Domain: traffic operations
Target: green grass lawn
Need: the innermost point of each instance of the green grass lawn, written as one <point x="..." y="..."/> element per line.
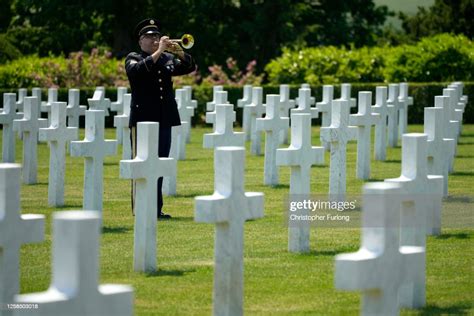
<point x="276" y="282"/>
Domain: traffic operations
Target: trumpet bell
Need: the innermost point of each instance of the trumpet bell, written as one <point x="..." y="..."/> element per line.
<point x="187" y="41"/>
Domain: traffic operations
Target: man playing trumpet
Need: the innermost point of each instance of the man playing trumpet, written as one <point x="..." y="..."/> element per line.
<point x="150" y="75"/>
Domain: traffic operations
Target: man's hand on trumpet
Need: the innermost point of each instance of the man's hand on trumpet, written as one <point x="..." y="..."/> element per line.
<point x="163" y="44"/>
<point x="176" y="49"/>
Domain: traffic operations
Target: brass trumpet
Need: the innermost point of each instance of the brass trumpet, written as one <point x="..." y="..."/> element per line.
<point x="186" y="41"/>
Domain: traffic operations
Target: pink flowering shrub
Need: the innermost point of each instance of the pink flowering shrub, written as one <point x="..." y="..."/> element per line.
<point x="232" y="75"/>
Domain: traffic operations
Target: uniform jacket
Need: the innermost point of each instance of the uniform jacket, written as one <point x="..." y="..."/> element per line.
<point x="152" y="87"/>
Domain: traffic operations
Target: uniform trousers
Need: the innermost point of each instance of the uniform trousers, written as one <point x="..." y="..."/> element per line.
<point x="164" y="146"/>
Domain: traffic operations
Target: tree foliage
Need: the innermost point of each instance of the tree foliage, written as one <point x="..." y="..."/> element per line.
<point x="445" y="16"/>
<point x="244" y="29"/>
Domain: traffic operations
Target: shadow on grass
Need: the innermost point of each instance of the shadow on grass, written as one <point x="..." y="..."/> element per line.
<point x="111" y="163"/>
<point x="456" y="309"/>
<point x="189" y="195"/>
<point x="464" y="156"/>
<point x="393" y="161"/>
<point x="463" y="173"/>
<point x="179" y="219"/>
<point x="465" y="143"/>
<point x="162" y="272"/>
<point x="456" y="236"/>
<point x="115" y="230"/>
<point x="40" y="184"/>
<point x="375" y="180"/>
<point x="331" y="253"/>
<point x="72" y="205"/>
<point x="457" y="199"/>
<point x="281" y="186"/>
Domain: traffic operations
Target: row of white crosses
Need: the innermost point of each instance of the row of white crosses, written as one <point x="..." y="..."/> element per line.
<point x="74" y="288"/>
<point x="339" y="135"/>
<point x="145" y="169"/>
<point x="230" y="206"/>
<point x="94" y="148"/>
<point x="397" y="214"/>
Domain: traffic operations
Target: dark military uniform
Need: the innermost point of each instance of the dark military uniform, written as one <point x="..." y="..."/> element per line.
<point x="152" y="87"/>
<point x="153" y="96"/>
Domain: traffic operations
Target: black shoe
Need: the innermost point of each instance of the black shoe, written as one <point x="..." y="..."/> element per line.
<point x="162" y="215"/>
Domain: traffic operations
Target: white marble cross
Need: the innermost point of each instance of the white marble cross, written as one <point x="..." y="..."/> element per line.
<point x="74" y="288"/>
<point x="29" y="126"/>
<point x="220" y="97"/>
<point x="463" y="98"/>
<point x="94" y="149"/>
<point x="36" y="92"/>
<point x="121" y="122"/>
<point x="449" y="129"/>
<point x="22" y="94"/>
<point x="393" y="107"/>
<point x="272" y="124"/>
<point x="455" y="121"/>
<point x="380" y="107"/>
<point x="460" y="98"/>
<point x="99" y="101"/>
<point x="455" y="113"/>
<point x="439" y="148"/>
<point x="7" y="115"/>
<point x="381" y="267"/>
<point x="210" y="105"/>
<point x="229" y="207"/>
<point x="304" y="103"/>
<point x="242" y="103"/>
<point x="338" y="134"/>
<point x="364" y="119"/>
<point x="286" y="104"/>
<point x="190" y="104"/>
<point x="300" y="156"/>
<point x="405" y="101"/>
<point x="15" y="230"/>
<point x="224" y="134"/>
<point x="189" y="96"/>
<point x="427" y="190"/>
<point x="346" y="94"/>
<point x="186" y="112"/>
<point x="459" y="103"/>
<point x="312" y="100"/>
<point x="145" y="169"/>
<point x="256" y="110"/>
<point x="325" y="107"/>
<point x="169" y="183"/>
<point x="421" y="208"/>
<point x="118" y="106"/>
<point x="57" y="135"/>
<point x="46" y="105"/>
<point x="74" y="111"/>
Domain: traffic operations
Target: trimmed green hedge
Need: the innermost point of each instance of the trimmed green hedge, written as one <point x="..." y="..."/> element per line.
<point x="439" y="58"/>
<point x="423" y="95"/>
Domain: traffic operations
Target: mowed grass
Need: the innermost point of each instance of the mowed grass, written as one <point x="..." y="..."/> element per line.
<point x="276" y="282"/>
